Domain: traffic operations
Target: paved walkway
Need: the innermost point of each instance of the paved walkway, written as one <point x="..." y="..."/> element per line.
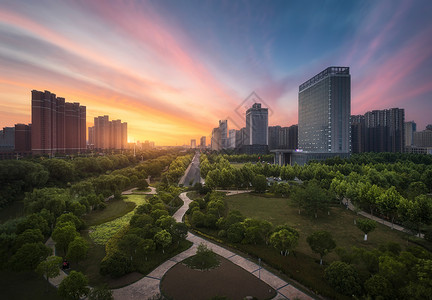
<point x="149" y="285"/>
<point x="234" y="192"/>
<point x="133" y="191"/>
<point x="56" y="280"/>
<point x="379" y="220"/>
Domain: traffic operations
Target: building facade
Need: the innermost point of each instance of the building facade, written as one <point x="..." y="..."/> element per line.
<point x="410" y="128"/>
<point x="57" y="126"/>
<point x="423" y="138"/>
<point x="358" y="134"/>
<point x="193" y="143"/>
<point x="385" y="130"/>
<point x="257" y="125"/>
<point x="216" y="139"/>
<point x="324" y="112"/>
<point x="203" y="143"/>
<point x="106" y="134"/>
<point x="223" y="129"/>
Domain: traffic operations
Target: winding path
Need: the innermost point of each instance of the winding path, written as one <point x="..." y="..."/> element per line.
<point x="149" y="285"/>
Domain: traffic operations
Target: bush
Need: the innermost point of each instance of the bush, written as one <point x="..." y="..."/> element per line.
<point x="116" y="265"/>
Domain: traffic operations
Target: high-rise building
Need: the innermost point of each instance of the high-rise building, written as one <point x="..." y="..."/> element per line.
<point x="232" y="139"/>
<point x="274" y="138"/>
<point x="358" y="134"/>
<point x="193" y="143"/>
<point x="22" y="138"/>
<point x="203" y="143"/>
<point x="410" y="128"/>
<point x="108" y="134"/>
<point x="215" y="139"/>
<point x="57" y="126"/>
<point x="324" y="112"/>
<point x="7" y="139"/>
<point x="257" y="125"/>
<point x="385" y="130"/>
<point x="423" y="138"/>
<point x="223" y="128"/>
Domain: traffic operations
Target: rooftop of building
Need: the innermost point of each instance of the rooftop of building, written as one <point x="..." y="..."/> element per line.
<point x="324" y="74"/>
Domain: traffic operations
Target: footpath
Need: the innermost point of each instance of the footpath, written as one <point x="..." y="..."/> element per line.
<point x="378" y="220"/>
<point x="148" y="286"/>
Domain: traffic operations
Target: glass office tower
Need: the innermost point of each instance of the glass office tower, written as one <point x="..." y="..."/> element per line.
<point x="324" y="112"/>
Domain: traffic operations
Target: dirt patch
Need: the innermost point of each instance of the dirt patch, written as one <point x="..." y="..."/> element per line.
<point x="230" y="280"/>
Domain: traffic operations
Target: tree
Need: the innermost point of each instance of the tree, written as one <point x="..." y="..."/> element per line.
<point x="163" y="238"/>
<point x="259" y="183"/>
<point x="235" y="232"/>
<point x="29" y="236"/>
<point x="29" y="256"/>
<point x="378" y="286"/>
<point x="77" y="249"/>
<point x="204" y="258"/>
<point x="70" y="217"/>
<point x="63" y="234"/>
<point x="284" y="240"/>
<point x="312" y="198"/>
<point x="417" y="212"/>
<point x="129" y="244"/>
<point x="50" y="267"/>
<point x="116" y="265"/>
<point x="145" y="247"/>
<point x="321" y="242"/>
<point x="366" y="225"/>
<point x="74" y="286"/>
<point x="343" y="278"/>
<point x="101" y="292"/>
<point x="388" y="203"/>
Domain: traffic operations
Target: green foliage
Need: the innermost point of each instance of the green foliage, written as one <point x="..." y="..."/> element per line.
<point x="77" y="249"/>
<point x="50" y="267"/>
<point x="366" y="225"/>
<point x="284" y="240"/>
<point x="70" y="217"/>
<point x="52" y="199"/>
<point x="29" y="236"/>
<point x="29" y="256"/>
<point x="259" y="183"/>
<point x="116" y="265"/>
<point x="74" y="286"/>
<point x="311" y="198"/>
<point x="321" y="242"/>
<point x="63" y="234"/>
<point x="204" y="259"/>
<point x="343" y="278"/>
<point x="163" y="239"/>
<point x="101" y="292"/>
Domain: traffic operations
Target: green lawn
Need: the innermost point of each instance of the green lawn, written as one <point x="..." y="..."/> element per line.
<point x="237" y="165"/>
<point x="304" y="265"/>
<point x="114" y="210"/>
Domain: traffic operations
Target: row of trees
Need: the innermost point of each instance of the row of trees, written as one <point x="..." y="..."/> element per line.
<point x="383" y="273"/>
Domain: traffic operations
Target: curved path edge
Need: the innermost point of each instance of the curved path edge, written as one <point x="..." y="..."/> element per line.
<point x="149" y="286"/>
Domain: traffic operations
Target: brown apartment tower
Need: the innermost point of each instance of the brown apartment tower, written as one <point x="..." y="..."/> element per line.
<point x="57" y="126"/>
<point x="106" y="134"/>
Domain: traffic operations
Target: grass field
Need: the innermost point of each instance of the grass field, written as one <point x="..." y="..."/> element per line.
<point x="114" y="210"/>
<point x="304" y="265"/>
<point x="102" y="232"/>
<point x="237" y="165"/>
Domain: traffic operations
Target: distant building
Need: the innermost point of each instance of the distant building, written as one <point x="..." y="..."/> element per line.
<point x="108" y="134"/>
<point x="385" y="130"/>
<point x="358" y="128"/>
<point x="283" y="137"/>
<point x="7" y="139"/>
<point x="193" y="144"/>
<point x="216" y="139"/>
<point x="203" y="143"/>
<point x="410" y="128"/>
<point x="57" y="126"/>
<point x="257" y="125"/>
<point x="423" y="138"/>
<point x="23" y="138"/>
<point x="324" y="112"/>
<point x="223" y="128"/>
<point x="232" y="139"/>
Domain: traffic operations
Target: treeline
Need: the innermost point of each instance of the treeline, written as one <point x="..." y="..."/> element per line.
<point x="242" y="158"/>
<point x="57" y="211"/>
<point x="151" y="228"/>
<point x="21" y="176"/>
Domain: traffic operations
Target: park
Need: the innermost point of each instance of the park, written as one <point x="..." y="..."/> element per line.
<point x="116" y="230"/>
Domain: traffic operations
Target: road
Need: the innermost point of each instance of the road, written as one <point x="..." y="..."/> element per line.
<point x="192" y="173"/>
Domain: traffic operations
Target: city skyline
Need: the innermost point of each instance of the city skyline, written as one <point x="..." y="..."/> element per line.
<point x="173" y="71"/>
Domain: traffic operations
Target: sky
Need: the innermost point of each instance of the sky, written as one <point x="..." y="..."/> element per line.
<point x="172" y="69"/>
